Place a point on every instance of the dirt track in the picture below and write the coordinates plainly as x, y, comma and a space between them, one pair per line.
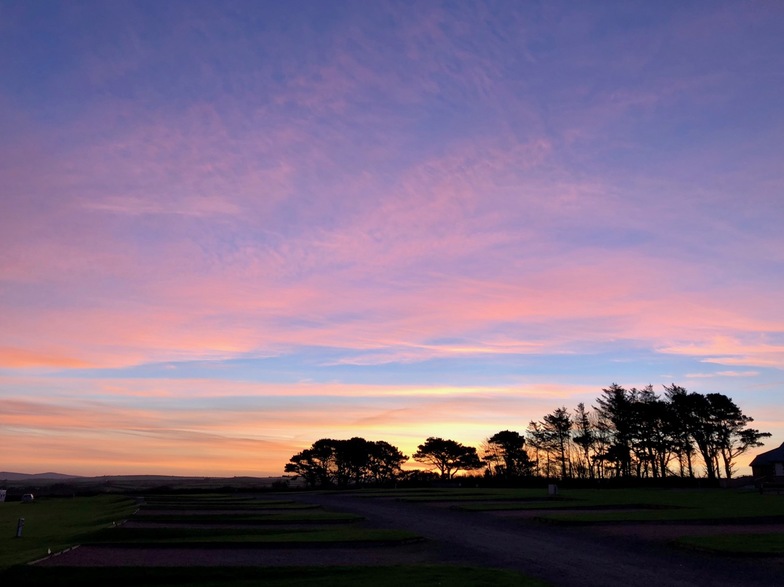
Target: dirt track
606, 556
566, 557
89, 556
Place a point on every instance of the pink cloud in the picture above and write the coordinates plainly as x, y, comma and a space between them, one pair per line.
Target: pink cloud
342, 199
722, 374
13, 358
98, 426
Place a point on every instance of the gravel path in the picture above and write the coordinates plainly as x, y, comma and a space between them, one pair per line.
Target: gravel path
565, 557
602, 556
89, 556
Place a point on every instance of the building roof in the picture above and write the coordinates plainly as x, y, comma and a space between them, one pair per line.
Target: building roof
770, 457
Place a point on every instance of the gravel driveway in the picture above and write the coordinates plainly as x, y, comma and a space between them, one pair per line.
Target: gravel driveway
93, 556
601, 556
567, 557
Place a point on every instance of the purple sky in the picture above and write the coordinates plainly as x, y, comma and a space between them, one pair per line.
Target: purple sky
229, 229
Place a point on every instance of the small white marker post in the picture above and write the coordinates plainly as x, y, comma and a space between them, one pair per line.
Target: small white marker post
19, 526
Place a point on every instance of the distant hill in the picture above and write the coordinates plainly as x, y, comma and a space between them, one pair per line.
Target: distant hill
8, 476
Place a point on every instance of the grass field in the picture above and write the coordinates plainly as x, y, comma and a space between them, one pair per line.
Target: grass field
214, 505
715, 506
220, 502
410, 576
582, 506
89, 523
763, 544
184, 537
610, 505
308, 516
55, 524
59, 523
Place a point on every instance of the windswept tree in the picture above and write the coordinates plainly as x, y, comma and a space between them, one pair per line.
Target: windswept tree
681, 415
721, 432
352, 457
557, 428
315, 464
535, 439
651, 432
384, 463
447, 456
506, 456
585, 437
343, 463
615, 410
734, 436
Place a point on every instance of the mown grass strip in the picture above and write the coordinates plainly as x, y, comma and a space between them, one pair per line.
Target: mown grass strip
469, 495
221, 508
184, 537
557, 504
220, 500
640, 505
349, 576
758, 544
55, 524
658, 516
308, 517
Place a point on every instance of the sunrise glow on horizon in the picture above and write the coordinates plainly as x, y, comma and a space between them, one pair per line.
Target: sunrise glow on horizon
231, 229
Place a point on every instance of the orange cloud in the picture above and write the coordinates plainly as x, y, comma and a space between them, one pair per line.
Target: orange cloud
15, 358
205, 427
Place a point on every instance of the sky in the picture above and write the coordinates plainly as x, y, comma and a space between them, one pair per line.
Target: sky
229, 229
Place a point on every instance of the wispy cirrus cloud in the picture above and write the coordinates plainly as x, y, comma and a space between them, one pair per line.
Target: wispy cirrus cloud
722, 374
244, 425
452, 192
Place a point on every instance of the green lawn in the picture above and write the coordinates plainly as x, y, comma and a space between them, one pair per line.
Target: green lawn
410, 576
184, 537
601, 506
472, 494
223, 505
55, 524
216, 507
739, 544
712, 505
301, 517
214, 499
584, 505
59, 523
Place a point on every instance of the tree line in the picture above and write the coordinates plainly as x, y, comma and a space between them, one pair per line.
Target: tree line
628, 433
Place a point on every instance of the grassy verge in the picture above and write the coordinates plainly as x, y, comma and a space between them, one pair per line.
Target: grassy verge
644, 505
471, 495
199, 537
411, 576
55, 524
226, 505
210, 498
763, 544
306, 517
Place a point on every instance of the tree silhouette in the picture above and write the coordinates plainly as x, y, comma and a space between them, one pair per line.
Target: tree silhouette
615, 409
506, 455
681, 415
557, 428
586, 439
629, 433
384, 463
344, 463
315, 464
730, 433
651, 432
448, 456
